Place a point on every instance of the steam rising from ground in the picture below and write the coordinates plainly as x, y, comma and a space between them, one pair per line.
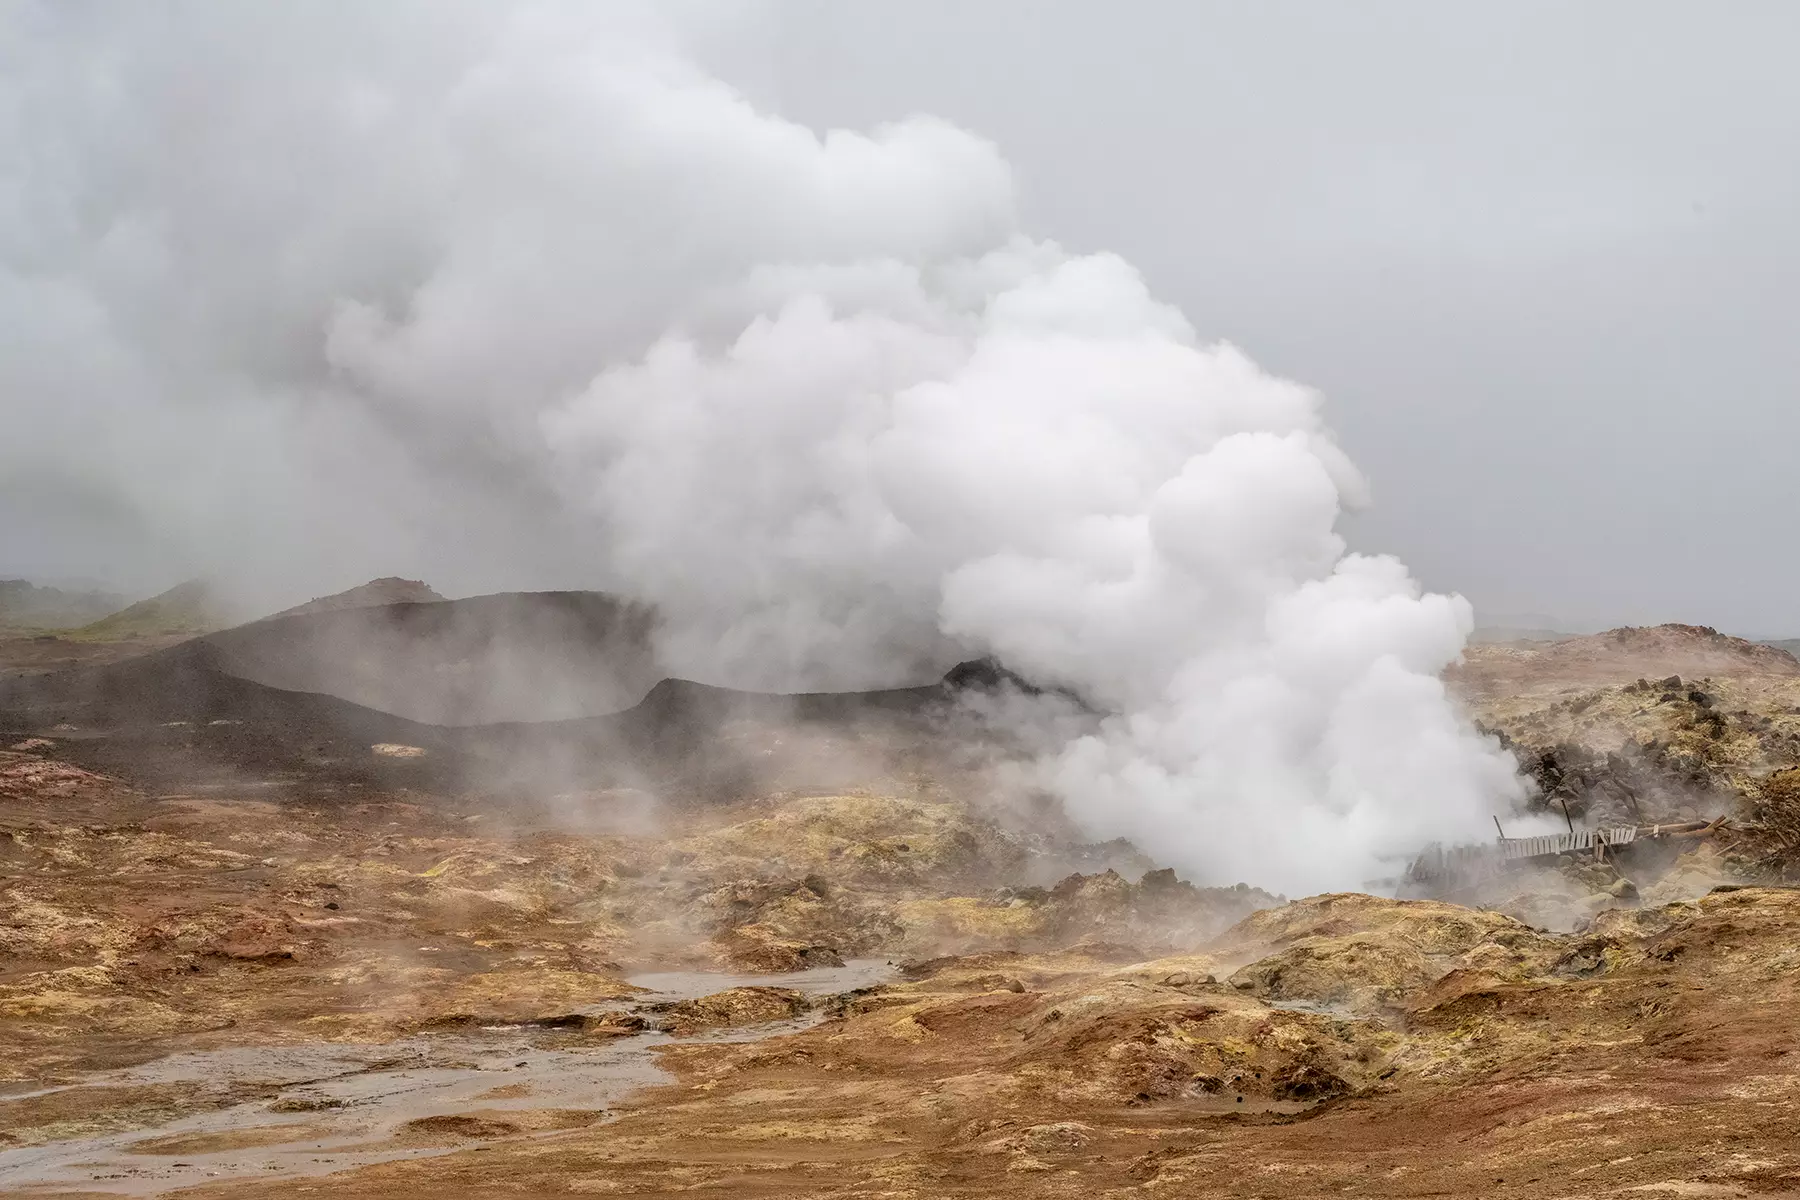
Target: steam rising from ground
527, 288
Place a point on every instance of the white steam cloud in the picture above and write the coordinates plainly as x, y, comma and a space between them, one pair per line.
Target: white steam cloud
527, 288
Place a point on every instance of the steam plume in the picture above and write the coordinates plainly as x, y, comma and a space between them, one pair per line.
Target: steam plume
516, 290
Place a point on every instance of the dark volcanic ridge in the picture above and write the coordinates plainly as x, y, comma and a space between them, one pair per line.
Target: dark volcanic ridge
390, 589
334, 698
531, 656
515, 656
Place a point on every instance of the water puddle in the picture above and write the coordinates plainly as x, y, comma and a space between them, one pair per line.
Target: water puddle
820, 981
322, 1108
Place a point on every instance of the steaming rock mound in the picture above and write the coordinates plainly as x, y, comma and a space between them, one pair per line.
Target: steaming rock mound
711, 743
1618, 656
1672, 723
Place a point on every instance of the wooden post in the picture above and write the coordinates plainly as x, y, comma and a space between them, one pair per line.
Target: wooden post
1499, 830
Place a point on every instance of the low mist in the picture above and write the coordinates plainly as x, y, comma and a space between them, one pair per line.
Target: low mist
522, 296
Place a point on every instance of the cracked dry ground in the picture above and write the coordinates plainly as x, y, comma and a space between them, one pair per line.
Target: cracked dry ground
1076, 1037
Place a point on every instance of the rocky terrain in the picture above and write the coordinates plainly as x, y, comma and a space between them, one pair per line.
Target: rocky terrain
261, 941
1420, 1050
1635, 726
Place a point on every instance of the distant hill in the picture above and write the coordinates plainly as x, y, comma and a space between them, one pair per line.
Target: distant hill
27, 607
388, 590
1618, 656
1789, 645
186, 608
1691, 650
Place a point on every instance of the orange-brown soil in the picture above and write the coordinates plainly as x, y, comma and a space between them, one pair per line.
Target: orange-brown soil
1048, 1026
1114, 1038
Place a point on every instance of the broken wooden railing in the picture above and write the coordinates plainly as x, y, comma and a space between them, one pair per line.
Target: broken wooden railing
1441, 865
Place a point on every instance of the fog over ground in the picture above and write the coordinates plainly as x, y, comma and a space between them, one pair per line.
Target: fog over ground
752, 314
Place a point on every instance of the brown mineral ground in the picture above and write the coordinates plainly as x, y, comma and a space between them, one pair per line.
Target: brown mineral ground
246, 952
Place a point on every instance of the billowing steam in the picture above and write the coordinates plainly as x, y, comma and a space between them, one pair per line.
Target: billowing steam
456, 291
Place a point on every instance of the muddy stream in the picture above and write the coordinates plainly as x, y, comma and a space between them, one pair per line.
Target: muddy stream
327, 1107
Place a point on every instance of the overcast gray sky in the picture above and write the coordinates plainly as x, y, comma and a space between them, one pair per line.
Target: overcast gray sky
1541, 258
